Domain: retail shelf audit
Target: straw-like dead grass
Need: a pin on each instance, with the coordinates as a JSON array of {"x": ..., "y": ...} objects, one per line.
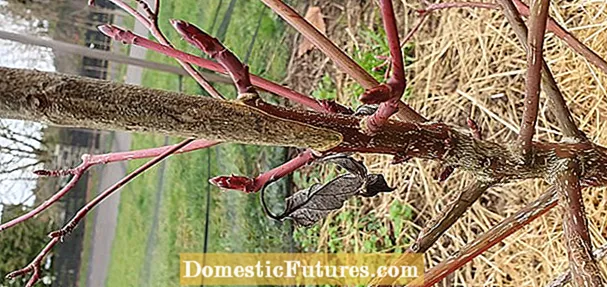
[{"x": 469, "y": 63}]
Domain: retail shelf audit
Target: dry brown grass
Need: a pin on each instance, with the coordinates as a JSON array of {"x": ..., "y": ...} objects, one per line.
[{"x": 469, "y": 62}]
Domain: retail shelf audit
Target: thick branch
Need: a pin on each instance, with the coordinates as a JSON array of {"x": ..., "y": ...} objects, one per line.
[
  {"x": 584, "y": 268},
  {"x": 73, "y": 101}
]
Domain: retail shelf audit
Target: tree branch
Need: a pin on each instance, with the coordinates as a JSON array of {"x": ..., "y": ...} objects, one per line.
[
  {"x": 150, "y": 21},
  {"x": 343, "y": 61},
  {"x": 388, "y": 95},
  {"x": 34, "y": 266},
  {"x": 249, "y": 185},
  {"x": 56, "y": 236},
  {"x": 212, "y": 47},
  {"x": 535, "y": 58},
  {"x": 74, "y": 101},
  {"x": 70, "y": 225},
  {"x": 493, "y": 236},
  {"x": 130, "y": 38},
  {"x": 435, "y": 228},
  {"x": 89, "y": 161},
  {"x": 584, "y": 268},
  {"x": 559, "y": 106}
]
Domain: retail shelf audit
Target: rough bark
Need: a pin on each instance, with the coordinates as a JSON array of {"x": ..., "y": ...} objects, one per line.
[
  {"x": 585, "y": 270},
  {"x": 74, "y": 101}
]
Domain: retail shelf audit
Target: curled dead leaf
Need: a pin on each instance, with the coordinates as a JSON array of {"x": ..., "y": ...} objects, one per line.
[{"x": 308, "y": 206}]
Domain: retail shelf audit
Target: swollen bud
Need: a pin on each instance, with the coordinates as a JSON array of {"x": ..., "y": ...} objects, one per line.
[{"x": 234, "y": 182}]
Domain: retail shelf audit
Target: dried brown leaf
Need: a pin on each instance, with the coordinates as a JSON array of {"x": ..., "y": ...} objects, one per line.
[{"x": 310, "y": 205}]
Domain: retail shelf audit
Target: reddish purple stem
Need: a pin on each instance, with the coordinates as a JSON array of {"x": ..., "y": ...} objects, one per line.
[
  {"x": 67, "y": 228},
  {"x": 535, "y": 58},
  {"x": 90, "y": 160},
  {"x": 128, "y": 37},
  {"x": 249, "y": 185},
  {"x": 211, "y": 46},
  {"x": 397, "y": 81},
  {"x": 388, "y": 94},
  {"x": 34, "y": 266}
]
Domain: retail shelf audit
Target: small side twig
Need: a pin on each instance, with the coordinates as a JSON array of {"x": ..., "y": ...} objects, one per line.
[
  {"x": 211, "y": 46},
  {"x": 70, "y": 225},
  {"x": 535, "y": 58},
  {"x": 89, "y": 161},
  {"x": 34, "y": 266},
  {"x": 128, "y": 37},
  {"x": 249, "y": 185},
  {"x": 56, "y": 236}
]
